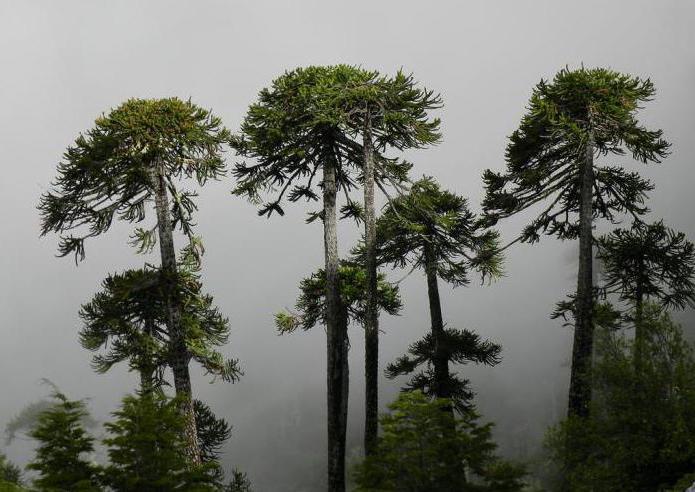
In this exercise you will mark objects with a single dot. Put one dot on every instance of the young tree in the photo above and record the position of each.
(127, 320)
(63, 442)
(10, 475)
(434, 230)
(424, 448)
(133, 156)
(550, 158)
(295, 131)
(387, 112)
(648, 262)
(147, 449)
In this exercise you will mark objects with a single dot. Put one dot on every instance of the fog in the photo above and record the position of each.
(64, 63)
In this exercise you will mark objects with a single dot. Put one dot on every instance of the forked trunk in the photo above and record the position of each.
(371, 323)
(580, 379)
(336, 337)
(180, 356)
(440, 387)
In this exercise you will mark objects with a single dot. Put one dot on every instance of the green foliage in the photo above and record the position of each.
(10, 474)
(147, 449)
(546, 152)
(105, 174)
(641, 431)
(314, 116)
(458, 347)
(212, 432)
(239, 483)
(438, 220)
(63, 443)
(649, 261)
(311, 304)
(422, 448)
(128, 319)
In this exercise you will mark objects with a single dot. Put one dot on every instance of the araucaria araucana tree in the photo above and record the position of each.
(136, 155)
(648, 262)
(580, 115)
(297, 133)
(434, 230)
(127, 322)
(386, 113)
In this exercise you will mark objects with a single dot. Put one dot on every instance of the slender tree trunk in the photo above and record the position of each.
(580, 379)
(441, 361)
(336, 399)
(180, 355)
(146, 369)
(371, 325)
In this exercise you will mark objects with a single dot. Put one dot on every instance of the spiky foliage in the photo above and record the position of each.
(105, 173)
(459, 347)
(649, 262)
(147, 449)
(545, 154)
(435, 220)
(212, 432)
(310, 116)
(311, 304)
(423, 448)
(127, 321)
(60, 459)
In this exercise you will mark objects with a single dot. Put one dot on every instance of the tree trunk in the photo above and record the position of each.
(336, 335)
(639, 328)
(440, 387)
(371, 324)
(146, 369)
(580, 379)
(180, 355)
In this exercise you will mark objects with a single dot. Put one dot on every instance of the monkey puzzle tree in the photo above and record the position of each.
(311, 304)
(387, 113)
(580, 115)
(136, 155)
(127, 319)
(433, 229)
(296, 131)
(648, 262)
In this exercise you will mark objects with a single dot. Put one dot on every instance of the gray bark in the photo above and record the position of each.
(371, 324)
(336, 337)
(582, 348)
(180, 356)
(441, 362)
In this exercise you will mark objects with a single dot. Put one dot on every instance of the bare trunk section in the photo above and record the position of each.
(336, 337)
(580, 379)
(639, 327)
(441, 361)
(371, 323)
(180, 355)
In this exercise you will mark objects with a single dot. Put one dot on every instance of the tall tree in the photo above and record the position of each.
(648, 262)
(133, 156)
(295, 131)
(388, 113)
(570, 121)
(433, 229)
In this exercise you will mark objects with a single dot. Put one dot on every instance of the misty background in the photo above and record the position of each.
(64, 63)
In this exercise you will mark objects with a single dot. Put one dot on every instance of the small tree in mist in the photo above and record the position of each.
(423, 448)
(550, 158)
(648, 262)
(10, 475)
(434, 230)
(61, 456)
(136, 155)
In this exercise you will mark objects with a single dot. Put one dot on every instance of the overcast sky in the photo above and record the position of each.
(64, 63)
